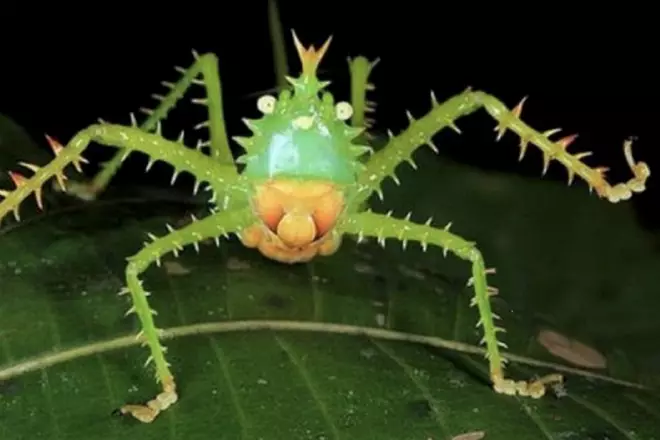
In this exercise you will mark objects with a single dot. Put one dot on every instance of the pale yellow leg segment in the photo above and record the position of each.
(147, 413)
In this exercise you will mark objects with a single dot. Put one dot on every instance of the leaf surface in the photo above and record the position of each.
(565, 262)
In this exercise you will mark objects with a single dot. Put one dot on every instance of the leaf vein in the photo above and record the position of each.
(308, 382)
(536, 419)
(643, 405)
(439, 419)
(49, 359)
(602, 414)
(56, 434)
(220, 356)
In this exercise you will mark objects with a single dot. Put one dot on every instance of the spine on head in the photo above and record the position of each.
(307, 82)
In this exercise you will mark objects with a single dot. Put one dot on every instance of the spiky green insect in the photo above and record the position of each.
(302, 185)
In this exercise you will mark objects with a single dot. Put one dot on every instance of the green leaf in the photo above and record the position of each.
(565, 261)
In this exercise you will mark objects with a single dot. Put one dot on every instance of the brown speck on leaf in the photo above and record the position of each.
(474, 435)
(175, 268)
(234, 263)
(571, 350)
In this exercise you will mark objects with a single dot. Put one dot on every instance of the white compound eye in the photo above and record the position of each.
(266, 104)
(343, 111)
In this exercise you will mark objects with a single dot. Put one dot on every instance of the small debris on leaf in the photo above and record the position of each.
(364, 268)
(474, 435)
(175, 268)
(571, 350)
(412, 273)
(365, 255)
(234, 263)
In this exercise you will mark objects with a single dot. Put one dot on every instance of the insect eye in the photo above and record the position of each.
(266, 104)
(343, 111)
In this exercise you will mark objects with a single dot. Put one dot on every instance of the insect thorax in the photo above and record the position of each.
(301, 160)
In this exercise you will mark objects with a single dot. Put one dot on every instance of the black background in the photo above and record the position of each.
(586, 69)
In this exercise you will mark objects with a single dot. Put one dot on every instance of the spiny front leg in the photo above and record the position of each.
(222, 178)
(557, 150)
(207, 66)
(382, 227)
(214, 226)
(421, 131)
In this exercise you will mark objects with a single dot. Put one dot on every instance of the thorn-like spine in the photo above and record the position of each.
(515, 113)
(551, 132)
(492, 291)
(150, 163)
(202, 125)
(454, 127)
(434, 100)
(196, 187)
(566, 141)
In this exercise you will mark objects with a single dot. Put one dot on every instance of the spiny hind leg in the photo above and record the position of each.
(382, 227)
(205, 66)
(214, 226)
(360, 69)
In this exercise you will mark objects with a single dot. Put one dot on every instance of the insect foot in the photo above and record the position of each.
(534, 388)
(147, 413)
(641, 172)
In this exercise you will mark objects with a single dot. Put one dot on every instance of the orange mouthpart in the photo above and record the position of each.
(297, 219)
